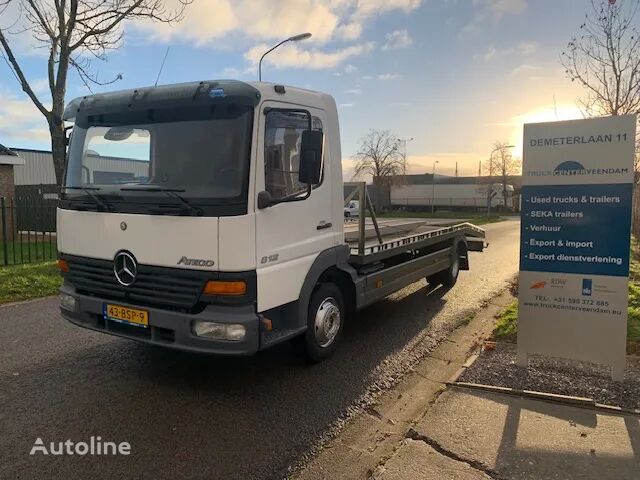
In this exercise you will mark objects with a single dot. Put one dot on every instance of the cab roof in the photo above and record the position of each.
(193, 93)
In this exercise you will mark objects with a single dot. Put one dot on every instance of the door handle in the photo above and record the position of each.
(324, 225)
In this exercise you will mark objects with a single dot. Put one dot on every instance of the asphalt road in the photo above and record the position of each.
(189, 416)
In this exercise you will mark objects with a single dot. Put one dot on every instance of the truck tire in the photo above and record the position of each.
(325, 322)
(447, 278)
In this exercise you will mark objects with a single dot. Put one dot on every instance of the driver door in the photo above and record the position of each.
(290, 235)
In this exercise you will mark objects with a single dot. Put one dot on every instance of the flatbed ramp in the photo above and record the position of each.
(422, 236)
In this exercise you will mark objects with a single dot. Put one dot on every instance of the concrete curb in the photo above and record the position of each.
(22, 302)
(570, 400)
(583, 402)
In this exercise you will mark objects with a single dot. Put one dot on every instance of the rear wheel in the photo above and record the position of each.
(448, 277)
(325, 321)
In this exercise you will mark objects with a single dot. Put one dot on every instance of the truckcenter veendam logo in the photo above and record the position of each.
(571, 167)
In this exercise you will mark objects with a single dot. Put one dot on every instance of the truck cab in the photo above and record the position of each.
(207, 217)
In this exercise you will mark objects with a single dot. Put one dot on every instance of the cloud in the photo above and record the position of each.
(224, 24)
(207, 21)
(527, 48)
(525, 69)
(293, 56)
(389, 76)
(350, 68)
(366, 8)
(397, 39)
(346, 105)
(20, 120)
(493, 11)
(349, 31)
(500, 8)
(354, 91)
(212, 22)
(524, 49)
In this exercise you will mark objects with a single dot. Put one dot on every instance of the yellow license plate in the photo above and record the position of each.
(132, 316)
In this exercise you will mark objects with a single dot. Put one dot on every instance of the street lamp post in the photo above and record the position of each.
(433, 188)
(295, 38)
(404, 141)
(490, 189)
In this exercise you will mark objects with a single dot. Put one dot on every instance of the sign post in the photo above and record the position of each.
(574, 245)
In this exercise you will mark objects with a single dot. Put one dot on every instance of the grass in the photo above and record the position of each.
(19, 252)
(506, 327)
(22, 282)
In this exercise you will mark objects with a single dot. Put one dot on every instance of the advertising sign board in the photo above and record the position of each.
(574, 246)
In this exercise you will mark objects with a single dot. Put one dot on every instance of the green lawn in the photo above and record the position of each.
(506, 327)
(22, 282)
(28, 251)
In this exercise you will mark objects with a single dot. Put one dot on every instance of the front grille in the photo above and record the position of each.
(154, 286)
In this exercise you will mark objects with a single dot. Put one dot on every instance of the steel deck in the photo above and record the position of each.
(390, 248)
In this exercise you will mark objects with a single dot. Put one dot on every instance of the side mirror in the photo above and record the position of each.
(310, 168)
(264, 200)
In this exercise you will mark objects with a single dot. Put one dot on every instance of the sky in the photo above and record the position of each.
(453, 75)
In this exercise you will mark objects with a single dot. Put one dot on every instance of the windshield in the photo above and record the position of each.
(201, 153)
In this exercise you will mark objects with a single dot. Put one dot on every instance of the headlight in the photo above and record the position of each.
(67, 302)
(233, 332)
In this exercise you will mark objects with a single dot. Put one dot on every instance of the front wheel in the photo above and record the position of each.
(325, 322)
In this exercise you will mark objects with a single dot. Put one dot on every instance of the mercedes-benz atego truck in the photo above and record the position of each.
(208, 217)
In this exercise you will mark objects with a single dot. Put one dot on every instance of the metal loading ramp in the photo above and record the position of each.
(363, 251)
(426, 236)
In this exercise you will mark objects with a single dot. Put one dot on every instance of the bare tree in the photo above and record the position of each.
(502, 165)
(74, 32)
(380, 156)
(605, 58)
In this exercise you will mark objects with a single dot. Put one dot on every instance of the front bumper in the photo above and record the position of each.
(168, 328)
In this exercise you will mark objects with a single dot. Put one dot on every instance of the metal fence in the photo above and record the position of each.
(27, 230)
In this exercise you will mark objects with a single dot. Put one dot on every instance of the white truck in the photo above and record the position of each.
(221, 229)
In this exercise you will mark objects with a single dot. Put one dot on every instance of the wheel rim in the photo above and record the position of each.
(327, 322)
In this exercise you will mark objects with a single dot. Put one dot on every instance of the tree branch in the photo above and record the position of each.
(24, 84)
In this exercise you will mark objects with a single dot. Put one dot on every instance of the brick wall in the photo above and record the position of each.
(7, 190)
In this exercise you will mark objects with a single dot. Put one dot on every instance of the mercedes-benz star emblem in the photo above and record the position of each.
(125, 268)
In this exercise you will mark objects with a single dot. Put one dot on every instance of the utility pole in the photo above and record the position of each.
(404, 141)
(456, 169)
(433, 188)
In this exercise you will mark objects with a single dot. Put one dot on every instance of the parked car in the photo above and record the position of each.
(352, 209)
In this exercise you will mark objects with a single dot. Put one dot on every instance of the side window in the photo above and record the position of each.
(283, 134)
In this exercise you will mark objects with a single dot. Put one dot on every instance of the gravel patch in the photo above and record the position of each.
(498, 367)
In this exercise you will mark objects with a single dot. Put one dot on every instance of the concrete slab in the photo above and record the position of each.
(418, 461)
(530, 439)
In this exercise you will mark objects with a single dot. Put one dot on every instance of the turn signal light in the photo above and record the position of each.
(63, 266)
(220, 287)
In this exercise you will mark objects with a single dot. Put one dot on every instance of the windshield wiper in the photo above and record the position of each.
(104, 205)
(171, 192)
